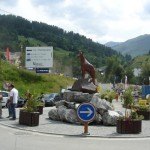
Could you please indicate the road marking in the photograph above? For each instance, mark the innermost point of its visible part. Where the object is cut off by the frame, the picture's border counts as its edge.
(88, 112)
(117, 139)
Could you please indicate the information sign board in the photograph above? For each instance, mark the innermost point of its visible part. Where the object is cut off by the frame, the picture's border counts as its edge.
(142, 103)
(42, 70)
(39, 57)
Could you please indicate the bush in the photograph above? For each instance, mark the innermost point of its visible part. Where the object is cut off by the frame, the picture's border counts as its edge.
(32, 103)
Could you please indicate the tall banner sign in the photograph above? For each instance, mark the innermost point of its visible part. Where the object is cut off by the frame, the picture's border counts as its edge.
(7, 54)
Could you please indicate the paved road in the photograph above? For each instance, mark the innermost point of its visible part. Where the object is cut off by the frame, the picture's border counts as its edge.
(13, 139)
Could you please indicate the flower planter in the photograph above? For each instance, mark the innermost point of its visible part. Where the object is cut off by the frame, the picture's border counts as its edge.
(146, 114)
(29, 118)
(40, 109)
(124, 106)
(129, 126)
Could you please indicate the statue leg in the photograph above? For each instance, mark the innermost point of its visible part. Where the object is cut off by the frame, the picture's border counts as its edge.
(93, 79)
(83, 74)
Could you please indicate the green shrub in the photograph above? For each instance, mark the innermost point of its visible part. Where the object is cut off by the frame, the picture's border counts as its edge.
(32, 104)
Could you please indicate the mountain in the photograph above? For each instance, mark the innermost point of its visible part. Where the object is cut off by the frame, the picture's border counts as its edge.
(112, 44)
(136, 46)
(15, 28)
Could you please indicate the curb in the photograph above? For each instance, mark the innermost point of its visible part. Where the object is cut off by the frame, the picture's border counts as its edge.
(77, 135)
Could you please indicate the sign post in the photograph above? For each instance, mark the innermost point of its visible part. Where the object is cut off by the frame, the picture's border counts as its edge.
(86, 128)
(86, 113)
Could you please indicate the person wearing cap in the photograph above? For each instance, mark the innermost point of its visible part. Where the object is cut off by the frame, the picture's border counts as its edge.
(13, 100)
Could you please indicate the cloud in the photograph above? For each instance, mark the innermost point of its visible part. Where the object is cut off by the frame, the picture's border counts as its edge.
(100, 20)
(10, 2)
(145, 15)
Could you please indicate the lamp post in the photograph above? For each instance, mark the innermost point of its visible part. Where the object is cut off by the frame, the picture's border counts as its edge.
(114, 86)
(126, 81)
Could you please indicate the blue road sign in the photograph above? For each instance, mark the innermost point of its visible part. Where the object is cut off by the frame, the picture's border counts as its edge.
(42, 70)
(86, 112)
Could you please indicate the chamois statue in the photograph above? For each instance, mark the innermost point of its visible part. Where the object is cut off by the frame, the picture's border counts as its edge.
(86, 67)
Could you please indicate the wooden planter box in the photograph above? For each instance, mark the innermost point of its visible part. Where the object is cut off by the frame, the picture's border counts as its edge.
(129, 107)
(129, 126)
(40, 109)
(146, 114)
(29, 118)
(124, 106)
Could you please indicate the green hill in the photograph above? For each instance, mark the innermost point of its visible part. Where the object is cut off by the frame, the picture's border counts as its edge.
(140, 61)
(28, 80)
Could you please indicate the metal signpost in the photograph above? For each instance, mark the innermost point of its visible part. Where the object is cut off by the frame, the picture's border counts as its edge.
(86, 113)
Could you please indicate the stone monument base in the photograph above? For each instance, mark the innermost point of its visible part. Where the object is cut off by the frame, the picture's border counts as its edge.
(83, 85)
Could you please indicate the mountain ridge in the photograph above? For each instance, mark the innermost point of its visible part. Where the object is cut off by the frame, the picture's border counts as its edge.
(111, 43)
(136, 46)
(13, 27)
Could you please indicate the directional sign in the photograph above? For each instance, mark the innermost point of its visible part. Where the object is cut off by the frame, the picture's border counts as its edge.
(42, 70)
(39, 57)
(86, 112)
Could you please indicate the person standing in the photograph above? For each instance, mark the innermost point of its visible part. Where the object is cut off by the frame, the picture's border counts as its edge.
(13, 100)
(117, 96)
(1, 98)
(9, 108)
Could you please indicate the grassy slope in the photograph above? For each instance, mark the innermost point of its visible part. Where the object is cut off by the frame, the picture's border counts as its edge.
(62, 62)
(140, 61)
(33, 41)
(60, 56)
(28, 80)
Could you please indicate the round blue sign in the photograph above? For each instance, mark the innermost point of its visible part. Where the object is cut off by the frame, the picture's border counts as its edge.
(86, 112)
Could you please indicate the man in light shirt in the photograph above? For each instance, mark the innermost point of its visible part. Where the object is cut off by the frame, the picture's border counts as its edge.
(13, 100)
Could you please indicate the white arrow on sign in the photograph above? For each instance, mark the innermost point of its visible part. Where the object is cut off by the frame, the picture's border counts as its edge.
(88, 112)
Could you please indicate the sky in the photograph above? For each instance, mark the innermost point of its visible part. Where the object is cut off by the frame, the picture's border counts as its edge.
(100, 20)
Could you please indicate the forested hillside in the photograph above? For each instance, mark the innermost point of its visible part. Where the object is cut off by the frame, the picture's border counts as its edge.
(18, 33)
(140, 61)
(13, 26)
